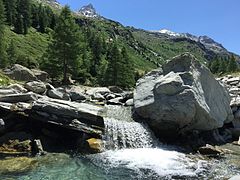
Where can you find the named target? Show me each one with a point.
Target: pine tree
(215, 66)
(3, 56)
(18, 27)
(232, 65)
(23, 16)
(11, 12)
(35, 16)
(113, 58)
(96, 47)
(12, 53)
(42, 19)
(64, 51)
(222, 66)
(125, 71)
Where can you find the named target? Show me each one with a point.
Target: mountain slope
(148, 49)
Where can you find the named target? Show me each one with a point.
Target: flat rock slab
(15, 98)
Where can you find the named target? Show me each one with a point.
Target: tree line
(223, 65)
(23, 14)
(73, 51)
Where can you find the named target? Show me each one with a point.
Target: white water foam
(162, 162)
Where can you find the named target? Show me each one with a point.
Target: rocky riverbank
(182, 103)
(37, 117)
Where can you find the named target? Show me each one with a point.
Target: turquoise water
(127, 164)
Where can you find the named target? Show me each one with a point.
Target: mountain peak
(88, 11)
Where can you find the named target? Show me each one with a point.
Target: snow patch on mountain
(88, 11)
(204, 40)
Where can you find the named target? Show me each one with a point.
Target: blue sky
(218, 19)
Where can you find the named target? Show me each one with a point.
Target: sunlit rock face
(181, 97)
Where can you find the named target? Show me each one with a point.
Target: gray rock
(183, 96)
(127, 95)
(15, 98)
(7, 91)
(49, 86)
(234, 90)
(20, 73)
(41, 75)
(115, 89)
(129, 102)
(65, 112)
(115, 101)
(77, 96)
(58, 94)
(19, 88)
(110, 96)
(233, 80)
(100, 90)
(98, 96)
(36, 87)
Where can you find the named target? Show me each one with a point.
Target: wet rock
(16, 147)
(20, 136)
(37, 147)
(183, 96)
(209, 150)
(20, 73)
(2, 126)
(235, 132)
(36, 87)
(96, 145)
(17, 165)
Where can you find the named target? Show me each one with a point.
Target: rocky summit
(182, 96)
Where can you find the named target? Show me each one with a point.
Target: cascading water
(120, 135)
(125, 133)
(132, 145)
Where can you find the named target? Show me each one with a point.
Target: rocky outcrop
(182, 96)
(20, 73)
(233, 85)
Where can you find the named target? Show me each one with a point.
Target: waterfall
(122, 132)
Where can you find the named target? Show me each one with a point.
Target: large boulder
(181, 97)
(36, 87)
(20, 73)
